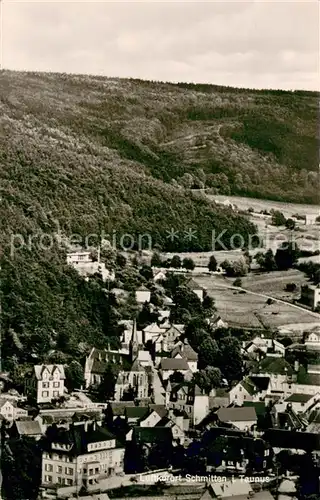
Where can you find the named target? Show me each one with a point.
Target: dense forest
(82, 155)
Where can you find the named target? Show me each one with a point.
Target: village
(189, 405)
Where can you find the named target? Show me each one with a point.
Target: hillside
(86, 155)
(86, 152)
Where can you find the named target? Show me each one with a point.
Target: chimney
(296, 365)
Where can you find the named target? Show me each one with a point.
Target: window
(97, 470)
(55, 393)
(48, 479)
(90, 472)
(59, 480)
(240, 388)
(45, 394)
(48, 467)
(69, 482)
(69, 471)
(244, 396)
(56, 384)
(45, 385)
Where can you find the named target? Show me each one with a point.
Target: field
(250, 310)
(288, 209)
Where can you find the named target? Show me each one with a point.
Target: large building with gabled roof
(45, 383)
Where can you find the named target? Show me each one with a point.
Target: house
(65, 417)
(314, 369)
(243, 418)
(271, 347)
(235, 489)
(27, 428)
(310, 295)
(312, 339)
(219, 398)
(250, 389)
(152, 435)
(151, 333)
(86, 266)
(168, 366)
(134, 414)
(10, 410)
(183, 350)
(45, 383)
(143, 295)
(196, 288)
(188, 399)
(279, 371)
(169, 336)
(176, 425)
(80, 457)
(158, 274)
(300, 403)
(217, 322)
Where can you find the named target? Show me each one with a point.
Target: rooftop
(241, 414)
(174, 364)
(298, 398)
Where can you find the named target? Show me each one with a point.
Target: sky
(256, 44)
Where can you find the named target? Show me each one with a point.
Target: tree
(185, 300)
(188, 263)
(235, 268)
(146, 316)
(287, 255)
(207, 379)
(290, 224)
(212, 266)
(74, 376)
(121, 261)
(21, 469)
(176, 377)
(208, 305)
(175, 262)
(156, 260)
(237, 282)
(269, 263)
(230, 361)
(208, 352)
(277, 218)
(186, 180)
(146, 272)
(107, 386)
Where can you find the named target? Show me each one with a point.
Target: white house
(300, 403)
(197, 289)
(168, 366)
(81, 457)
(268, 346)
(313, 339)
(188, 399)
(151, 332)
(143, 295)
(250, 389)
(86, 266)
(46, 383)
(11, 411)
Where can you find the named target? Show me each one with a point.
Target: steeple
(134, 343)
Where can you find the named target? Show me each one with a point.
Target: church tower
(134, 343)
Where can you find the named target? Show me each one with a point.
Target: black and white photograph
(159, 250)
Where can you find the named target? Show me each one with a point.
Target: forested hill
(86, 154)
